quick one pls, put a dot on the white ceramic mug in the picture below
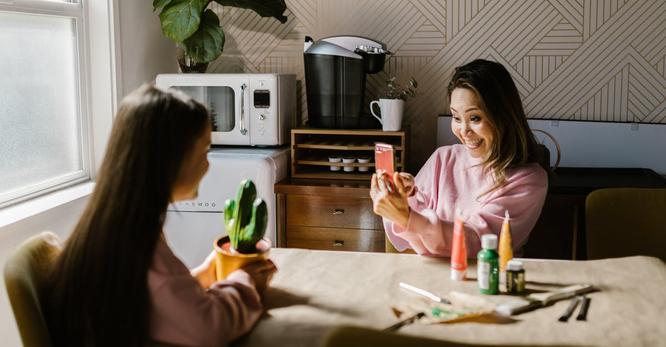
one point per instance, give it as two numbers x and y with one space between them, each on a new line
391 113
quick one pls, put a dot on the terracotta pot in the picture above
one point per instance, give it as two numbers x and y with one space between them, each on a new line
228 260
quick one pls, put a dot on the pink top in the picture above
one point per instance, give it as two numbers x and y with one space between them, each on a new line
183 313
451 180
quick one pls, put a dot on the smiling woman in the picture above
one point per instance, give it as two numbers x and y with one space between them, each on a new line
494 169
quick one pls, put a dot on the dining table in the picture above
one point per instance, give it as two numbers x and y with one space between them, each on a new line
314 292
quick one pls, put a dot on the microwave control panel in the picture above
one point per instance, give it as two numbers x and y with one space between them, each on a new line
263 126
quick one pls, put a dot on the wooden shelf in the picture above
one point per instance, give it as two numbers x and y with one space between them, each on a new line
311 148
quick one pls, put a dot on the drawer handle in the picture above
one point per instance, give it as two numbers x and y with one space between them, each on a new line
338 211
338 243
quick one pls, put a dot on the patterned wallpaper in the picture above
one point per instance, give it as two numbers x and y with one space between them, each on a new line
598 60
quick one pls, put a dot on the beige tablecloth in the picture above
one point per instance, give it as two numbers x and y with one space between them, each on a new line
315 291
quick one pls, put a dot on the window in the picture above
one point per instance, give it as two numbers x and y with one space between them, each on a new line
44 133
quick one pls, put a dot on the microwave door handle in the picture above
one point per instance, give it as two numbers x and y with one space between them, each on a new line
243 130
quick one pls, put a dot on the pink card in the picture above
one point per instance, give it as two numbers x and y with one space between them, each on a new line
384 159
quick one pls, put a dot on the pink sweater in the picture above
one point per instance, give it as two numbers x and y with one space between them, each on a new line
448 181
183 313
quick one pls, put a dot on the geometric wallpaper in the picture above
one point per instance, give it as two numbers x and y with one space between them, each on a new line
595 60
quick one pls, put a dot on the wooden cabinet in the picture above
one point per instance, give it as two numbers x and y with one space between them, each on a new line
327 215
312 148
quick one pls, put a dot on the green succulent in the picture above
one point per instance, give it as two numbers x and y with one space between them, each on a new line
245 218
190 22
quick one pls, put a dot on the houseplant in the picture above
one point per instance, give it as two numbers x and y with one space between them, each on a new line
396 91
196 28
392 106
245 219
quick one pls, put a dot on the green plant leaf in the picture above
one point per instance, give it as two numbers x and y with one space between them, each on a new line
181 18
207 43
159 4
265 8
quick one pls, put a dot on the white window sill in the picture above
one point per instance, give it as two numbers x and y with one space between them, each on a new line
32 207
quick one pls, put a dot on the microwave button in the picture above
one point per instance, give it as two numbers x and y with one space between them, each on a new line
262 117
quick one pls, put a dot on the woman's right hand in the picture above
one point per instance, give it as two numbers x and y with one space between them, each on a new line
261 272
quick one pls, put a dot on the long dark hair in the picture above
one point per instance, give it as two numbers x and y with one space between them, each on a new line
514 142
99 285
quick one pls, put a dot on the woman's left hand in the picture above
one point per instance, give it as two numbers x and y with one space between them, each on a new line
390 203
205 273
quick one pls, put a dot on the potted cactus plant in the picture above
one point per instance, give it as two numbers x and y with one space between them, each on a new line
245 219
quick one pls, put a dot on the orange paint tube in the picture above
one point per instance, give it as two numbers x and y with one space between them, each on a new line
458 251
505 249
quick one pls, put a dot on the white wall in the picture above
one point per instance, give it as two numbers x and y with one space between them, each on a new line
594 144
142 51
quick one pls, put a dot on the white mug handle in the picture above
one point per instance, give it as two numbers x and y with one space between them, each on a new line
373 111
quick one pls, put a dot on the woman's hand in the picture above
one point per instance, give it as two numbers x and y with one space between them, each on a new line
205 273
407 182
262 272
390 201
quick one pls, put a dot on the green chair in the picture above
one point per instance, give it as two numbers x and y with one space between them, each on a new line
25 273
626 221
347 336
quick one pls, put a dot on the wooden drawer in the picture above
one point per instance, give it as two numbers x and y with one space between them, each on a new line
334 239
331 212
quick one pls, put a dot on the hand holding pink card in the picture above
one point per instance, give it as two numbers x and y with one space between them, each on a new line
384 163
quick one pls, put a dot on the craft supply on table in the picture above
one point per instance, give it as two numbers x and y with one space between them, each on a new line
488 265
570 309
515 277
537 300
584 307
409 320
505 249
458 251
423 292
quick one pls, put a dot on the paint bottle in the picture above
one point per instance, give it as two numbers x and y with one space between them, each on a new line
458 251
488 265
515 277
505 249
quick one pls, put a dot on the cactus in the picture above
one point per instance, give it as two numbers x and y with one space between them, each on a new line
245 218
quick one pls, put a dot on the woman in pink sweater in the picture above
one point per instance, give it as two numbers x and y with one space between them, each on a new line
494 169
117 282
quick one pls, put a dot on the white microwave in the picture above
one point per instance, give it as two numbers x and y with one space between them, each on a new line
245 109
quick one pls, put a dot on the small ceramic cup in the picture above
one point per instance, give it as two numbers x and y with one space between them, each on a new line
334 160
363 160
348 161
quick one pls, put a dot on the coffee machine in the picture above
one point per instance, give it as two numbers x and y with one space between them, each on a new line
335 69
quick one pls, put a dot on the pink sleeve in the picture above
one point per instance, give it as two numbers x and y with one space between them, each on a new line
428 234
523 197
185 314
425 232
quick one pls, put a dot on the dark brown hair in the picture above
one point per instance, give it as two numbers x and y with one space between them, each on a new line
99 294
498 97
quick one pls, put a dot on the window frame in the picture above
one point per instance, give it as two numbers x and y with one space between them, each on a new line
79 13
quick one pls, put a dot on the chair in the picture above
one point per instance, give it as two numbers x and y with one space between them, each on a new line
24 275
389 248
347 336
626 221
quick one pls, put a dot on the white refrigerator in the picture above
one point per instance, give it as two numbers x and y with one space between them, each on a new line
192 226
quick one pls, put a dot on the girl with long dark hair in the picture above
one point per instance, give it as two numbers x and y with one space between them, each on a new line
116 282
496 168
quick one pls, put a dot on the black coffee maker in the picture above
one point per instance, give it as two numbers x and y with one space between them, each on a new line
335 69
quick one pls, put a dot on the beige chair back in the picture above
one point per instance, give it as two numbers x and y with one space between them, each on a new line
626 221
25 274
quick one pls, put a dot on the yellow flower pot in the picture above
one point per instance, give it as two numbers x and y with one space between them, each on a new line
227 260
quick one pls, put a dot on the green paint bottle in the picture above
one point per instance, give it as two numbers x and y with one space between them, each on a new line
487 265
